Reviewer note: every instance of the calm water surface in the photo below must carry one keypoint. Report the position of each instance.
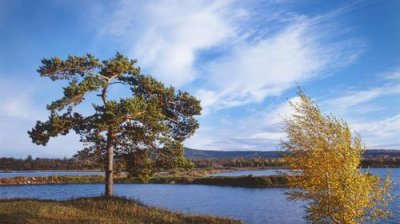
(249, 205)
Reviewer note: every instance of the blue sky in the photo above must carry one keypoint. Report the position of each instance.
(241, 58)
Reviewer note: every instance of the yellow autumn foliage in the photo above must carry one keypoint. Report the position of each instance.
(324, 158)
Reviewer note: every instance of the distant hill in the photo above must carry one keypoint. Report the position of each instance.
(372, 153)
(213, 154)
(197, 154)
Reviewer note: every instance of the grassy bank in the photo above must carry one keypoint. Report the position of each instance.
(93, 210)
(243, 181)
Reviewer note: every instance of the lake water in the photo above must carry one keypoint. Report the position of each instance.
(11, 174)
(249, 205)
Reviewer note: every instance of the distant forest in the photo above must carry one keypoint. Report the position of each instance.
(196, 154)
(46, 164)
(200, 159)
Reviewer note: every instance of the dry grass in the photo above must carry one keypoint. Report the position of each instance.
(93, 210)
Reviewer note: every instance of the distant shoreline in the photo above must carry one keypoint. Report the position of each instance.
(275, 181)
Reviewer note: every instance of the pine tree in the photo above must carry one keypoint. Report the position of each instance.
(153, 117)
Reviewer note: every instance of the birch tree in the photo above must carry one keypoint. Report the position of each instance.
(324, 158)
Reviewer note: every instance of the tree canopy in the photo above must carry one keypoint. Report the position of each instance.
(324, 158)
(152, 117)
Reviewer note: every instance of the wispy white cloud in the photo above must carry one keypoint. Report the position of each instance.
(354, 98)
(360, 108)
(386, 127)
(393, 75)
(273, 136)
(261, 130)
(166, 35)
(270, 66)
(280, 112)
(264, 53)
(19, 112)
(17, 106)
(382, 133)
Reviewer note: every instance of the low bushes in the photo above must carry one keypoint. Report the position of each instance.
(242, 181)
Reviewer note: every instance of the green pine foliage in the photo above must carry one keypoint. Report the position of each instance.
(153, 119)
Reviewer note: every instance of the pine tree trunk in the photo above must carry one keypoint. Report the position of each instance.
(109, 168)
